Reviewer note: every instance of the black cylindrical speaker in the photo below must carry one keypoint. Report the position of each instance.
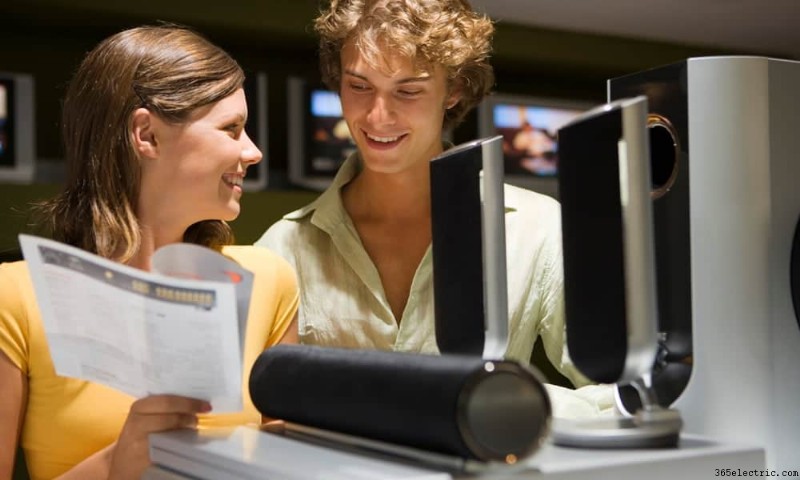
(452, 404)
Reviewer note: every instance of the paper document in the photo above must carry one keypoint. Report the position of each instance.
(176, 330)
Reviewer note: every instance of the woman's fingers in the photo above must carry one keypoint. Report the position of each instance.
(161, 404)
(143, 424)
(156, 413)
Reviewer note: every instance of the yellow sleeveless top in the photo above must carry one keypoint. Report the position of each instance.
(67, 420)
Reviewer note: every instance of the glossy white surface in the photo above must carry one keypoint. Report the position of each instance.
(246, 453)
(743, 144)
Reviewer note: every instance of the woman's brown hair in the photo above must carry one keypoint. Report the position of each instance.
(167, 69)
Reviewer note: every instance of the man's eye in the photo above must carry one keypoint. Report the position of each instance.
(410, 93)
(359, 87)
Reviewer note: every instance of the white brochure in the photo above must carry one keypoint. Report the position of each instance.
(176, 330)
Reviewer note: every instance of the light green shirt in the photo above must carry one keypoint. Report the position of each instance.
(342, 302)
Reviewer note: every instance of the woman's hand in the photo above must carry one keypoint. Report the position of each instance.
(156, 413)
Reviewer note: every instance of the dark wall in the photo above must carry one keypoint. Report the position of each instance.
(259, 210)
(51, 53)
(49, 37)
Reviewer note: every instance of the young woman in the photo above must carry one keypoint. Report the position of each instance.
(154, 138)
(405, 70)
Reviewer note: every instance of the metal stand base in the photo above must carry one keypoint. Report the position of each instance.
(656, 428)
(650, 427)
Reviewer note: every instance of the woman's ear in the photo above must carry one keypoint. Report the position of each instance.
(143, 133)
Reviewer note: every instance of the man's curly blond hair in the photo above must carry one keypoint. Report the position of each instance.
(448, 33)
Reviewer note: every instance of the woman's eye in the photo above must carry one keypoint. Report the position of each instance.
(234, 129)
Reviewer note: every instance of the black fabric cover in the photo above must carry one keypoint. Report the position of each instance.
(402, 398)
(457, 250)
(667, 94)
(593, 240)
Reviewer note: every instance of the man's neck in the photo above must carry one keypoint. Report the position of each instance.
(379, 197)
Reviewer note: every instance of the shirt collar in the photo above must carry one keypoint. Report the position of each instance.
(328, 210)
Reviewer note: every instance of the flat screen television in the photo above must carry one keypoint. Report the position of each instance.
(529, 127)
(319, 140)
(17, 127)
(255, 89)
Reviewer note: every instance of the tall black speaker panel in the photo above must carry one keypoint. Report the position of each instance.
(668, 117)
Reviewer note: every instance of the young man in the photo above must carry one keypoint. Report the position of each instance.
(405, 70)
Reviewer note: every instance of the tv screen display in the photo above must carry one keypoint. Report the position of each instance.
(17, 149)
(319, 140)
(529, 129)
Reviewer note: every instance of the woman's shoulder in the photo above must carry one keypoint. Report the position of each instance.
(262, 261)
(271, 273)
(17, 308)
(14, 273)
(251, 254)
(16, 267)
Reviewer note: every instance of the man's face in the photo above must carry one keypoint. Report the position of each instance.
(395, 114)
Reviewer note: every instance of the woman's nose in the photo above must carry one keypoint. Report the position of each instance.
(250, 153)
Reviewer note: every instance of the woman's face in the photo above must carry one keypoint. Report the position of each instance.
(395, 118)
(199, 167)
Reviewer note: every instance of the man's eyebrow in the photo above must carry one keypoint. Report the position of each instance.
(422, 78)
